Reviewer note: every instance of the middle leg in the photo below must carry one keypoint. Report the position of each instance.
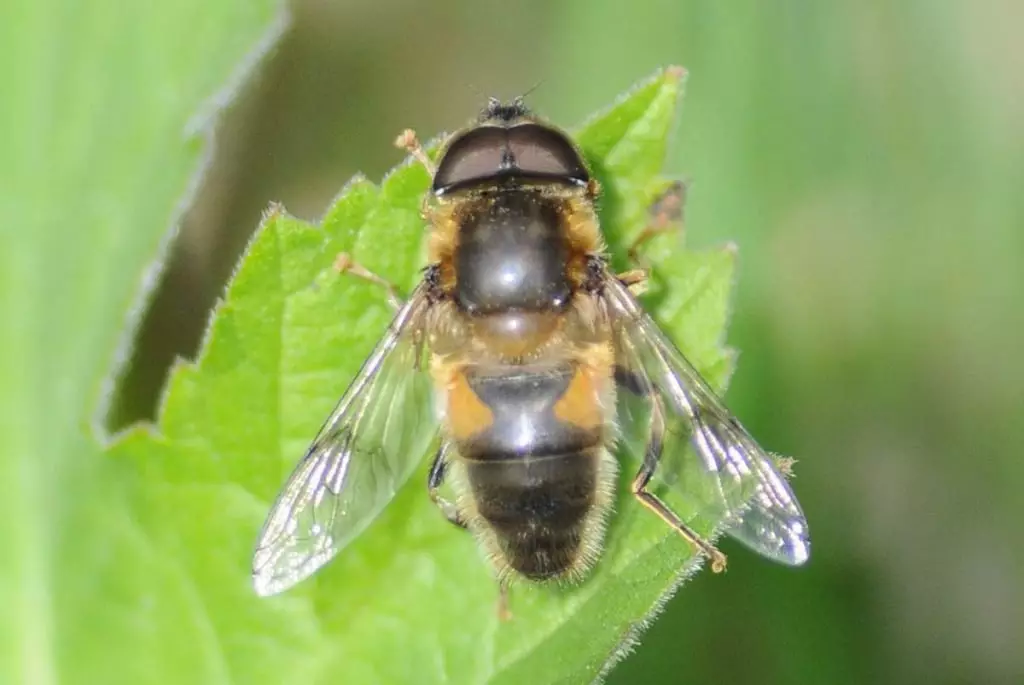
(434, 481)
(666, 216)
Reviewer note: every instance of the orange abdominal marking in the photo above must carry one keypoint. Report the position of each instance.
(466, 414)
(580, 405)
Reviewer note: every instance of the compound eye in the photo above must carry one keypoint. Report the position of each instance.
(541, 151)
(529, 151)
(477, 155)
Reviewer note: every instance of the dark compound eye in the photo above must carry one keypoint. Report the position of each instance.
(541, 151)
(476, 155)
(491, 152)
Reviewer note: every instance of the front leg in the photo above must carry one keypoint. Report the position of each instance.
(344, 263)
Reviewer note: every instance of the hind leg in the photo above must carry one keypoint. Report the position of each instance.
(435, 479)
(652, 457)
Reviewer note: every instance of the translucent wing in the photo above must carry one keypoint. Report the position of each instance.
(726, 476)
(380, 430)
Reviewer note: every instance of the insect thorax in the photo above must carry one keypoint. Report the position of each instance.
(511, 255)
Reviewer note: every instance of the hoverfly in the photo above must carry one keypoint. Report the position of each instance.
(527, 361)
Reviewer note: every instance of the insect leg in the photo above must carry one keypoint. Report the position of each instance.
(344, 263)
(408, 141)
(666, 215)
(434, 481)
(627, 379)
(504, 614)
(635, 280)
(651, 458)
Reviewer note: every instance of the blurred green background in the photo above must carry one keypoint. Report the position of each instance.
(868, 158)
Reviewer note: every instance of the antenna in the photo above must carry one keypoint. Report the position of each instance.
(532, 88)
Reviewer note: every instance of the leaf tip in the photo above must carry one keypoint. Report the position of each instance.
(273, 212)
(675, 73)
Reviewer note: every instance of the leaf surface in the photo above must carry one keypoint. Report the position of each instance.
(105, 104)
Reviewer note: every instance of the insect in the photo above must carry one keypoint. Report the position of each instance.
(525, 365)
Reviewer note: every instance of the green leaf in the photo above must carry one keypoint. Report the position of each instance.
(411, 600)
(99, 135)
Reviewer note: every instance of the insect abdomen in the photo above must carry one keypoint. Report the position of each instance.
(533, 462)
(538, 508)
